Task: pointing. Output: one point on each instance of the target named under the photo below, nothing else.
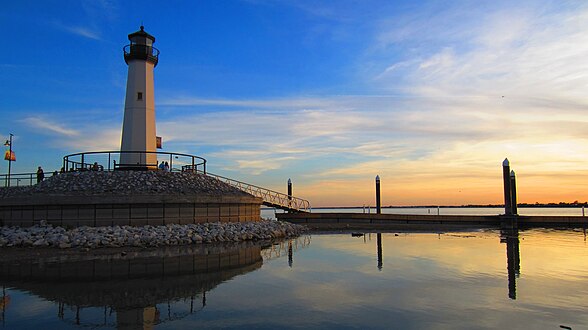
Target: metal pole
(289, 193)
(513, 192)
(378, 206)
(9, 158)
(506, 182)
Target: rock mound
(123, 183)
(44, 235)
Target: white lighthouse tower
(138, 132)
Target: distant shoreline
(523, 205)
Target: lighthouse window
(139, 96)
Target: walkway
(270, 198)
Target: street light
(8, 143)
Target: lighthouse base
(135, 198)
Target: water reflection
(451, 280)
(131, 287)
(380, 262)
(513, 259)
(508, 236)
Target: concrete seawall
(134, 211)
(362, 221)
(126, 198)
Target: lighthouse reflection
(137, 290)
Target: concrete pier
(364, 221)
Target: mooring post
(378, 206)
(507, 188)
(513, 192)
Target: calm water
(575, 211)
(534, 279)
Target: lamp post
(9, 144)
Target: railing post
(109, 162)
(289, 193)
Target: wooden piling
(513, 192)
(507, 188)
(378, 206)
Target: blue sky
(430, 95)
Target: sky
(429, 95)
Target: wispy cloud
(49, 126)
(78, 30)
(84, 32)
(308, 102)
(94, 136)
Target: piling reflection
(380, 261)
(136, 290)
(513, 261)
(508, 236)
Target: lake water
(536, 279)
(270, 213)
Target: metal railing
(102, 160)
(22, 179)
(143, 52)
(270, 197)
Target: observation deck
(141, 52)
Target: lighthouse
(138, 132)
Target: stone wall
(134, 214)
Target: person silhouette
(40, 175)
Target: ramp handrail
(270, 197)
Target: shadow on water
(136, 289)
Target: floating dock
(367, 221)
